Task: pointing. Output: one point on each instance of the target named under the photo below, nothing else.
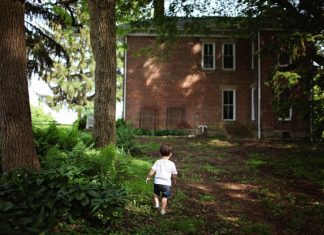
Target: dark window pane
(228, 105)
(225, 112)
(228, 49)
(231, 112)
(230, 97)
(208, 60)
(228, 62)
(225, 97)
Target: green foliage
(63, 138)
(256, 161)
(81, 185)
(39, 117)
(73, 85)
(183, 225)
(81, 123)
(258, 228)
(125, 135)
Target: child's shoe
(163, 212)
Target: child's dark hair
(165, 150)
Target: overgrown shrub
(81, 123)
(63, 138)
(82, 185)
(39, 117)
(125, 136)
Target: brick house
(213, 80)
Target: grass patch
(207, 198)
(255, 160)
(150, 146)
(184, 225)
(208, 168)
(302, 165)
(222, 155)
(257, 228)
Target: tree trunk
(103, 41)
(158, 10)
(16, 138)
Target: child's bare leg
(164, 204)
(156, 200)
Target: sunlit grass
(150, 146)
(211, 169)
(255, 161)
(220, 143)
(207, 198)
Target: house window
(229, 105)
(284, 107)
(284, 58)
(208, 56)
(229, 56)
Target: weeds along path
(232, 187)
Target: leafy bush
(125, 136)
(81, 123)
(82, 185)
(63, 138)
(39, 117)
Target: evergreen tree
(72, 86)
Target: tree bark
(103, 41)
(16, 138)
(158, 10)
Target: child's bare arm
(174, 179)
(150, 174)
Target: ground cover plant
(79, 189)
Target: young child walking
(164, 171)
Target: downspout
(125, 79)
(259, 87)
(312, 112)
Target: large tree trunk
(103, 41)
(16, 138)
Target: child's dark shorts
(164, 189)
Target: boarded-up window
(148, 119)
(174, 118)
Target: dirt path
(221, 190)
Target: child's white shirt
(164, 170)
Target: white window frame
(234, 104)
(287, 119)
(234, 55)
(203, 54)
(252, 104)
(284, 65)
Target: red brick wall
(175, 80)
(270, 121)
